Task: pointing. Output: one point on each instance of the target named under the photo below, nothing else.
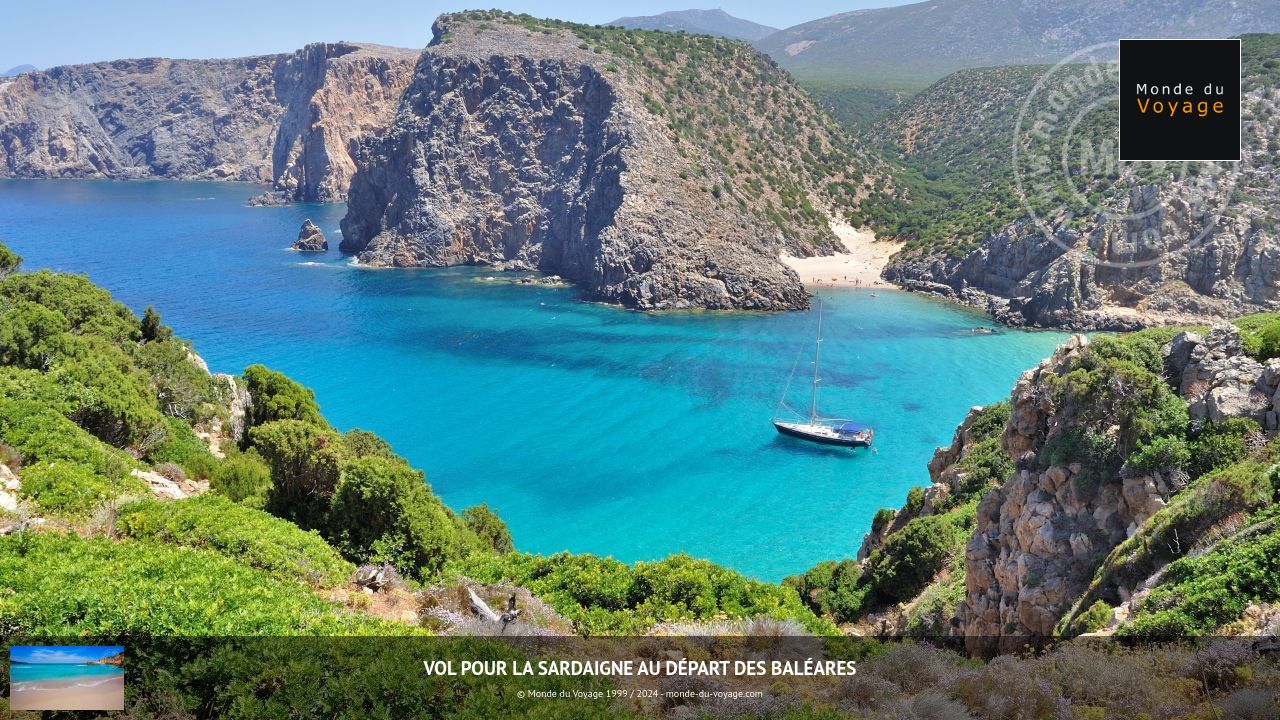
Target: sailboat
(824, 431)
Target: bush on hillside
(87, 308)
(64, 488)
(602, 596)
(276, 397)
(57, 583)
(249, 536)
(180, 445)
(244, 477)
(306, 462)
(490, 528)
(383, 511)
(9, 261)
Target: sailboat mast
(817, 355)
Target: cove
(588, 428)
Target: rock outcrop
(524, 148)
(1040, 537)
(310, 239)
(1195, 247)
(291, 120)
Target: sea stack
(310, 239)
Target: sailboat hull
(822, 434)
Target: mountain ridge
(706, 22)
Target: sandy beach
(859, 266)
(85, 694)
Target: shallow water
(588, 428)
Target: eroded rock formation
(310, 239)
(528, 150)
(291, 120)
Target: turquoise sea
(588, 428)
(60, 673)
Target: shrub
(1221, 444)
(882, 518)
(276, 397)
(1094, 450)
(1097, 617)
(907, 561)
(249, 536)
(986, 465)
(171, 471)
(488, 527)
(113, 400)
(915, 501)
(29, 334)
(244, 477)
(383, 511)
(181, 388)
(180, 446)
(65, 488)
(9, 261)
(88, 308)
(1163, 453)
(151, 327)
(305, 461)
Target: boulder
(310, 239)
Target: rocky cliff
(1128, 486)
(655, 170)
(1114, 246)
(291, 119)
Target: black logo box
(1185, 65)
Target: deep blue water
(588, 428)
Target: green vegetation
(249, 536)
(602, 596)
(1200, 594)
(62, 585)
(489, 528)
(276, 397)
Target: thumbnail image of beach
(66, 677)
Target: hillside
(1126, 487)
(970, 235)
(656, 170)
(700, 22)
(290, 120)
(910, 46)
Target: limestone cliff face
(529, 149)
(291, 120)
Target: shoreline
(859, 266)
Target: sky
(64, 32)
(63, 654)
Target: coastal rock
(8, 479)
(290, 120)
(161, 486)
(1040, 537)
(1191, 250)
(310, 239)
(528, 150)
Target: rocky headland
(569, 150)
(289, 120)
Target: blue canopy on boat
(851, 427)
